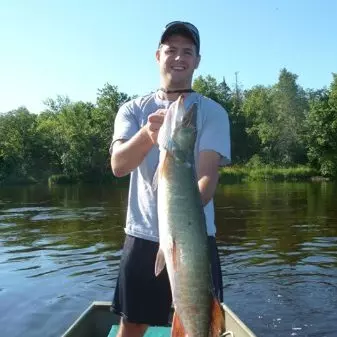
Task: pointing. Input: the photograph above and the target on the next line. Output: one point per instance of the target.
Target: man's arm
(127, 155)
(208, 174)
(214, 149)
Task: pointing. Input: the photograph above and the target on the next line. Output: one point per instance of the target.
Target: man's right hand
(127, 155)
(154, 122)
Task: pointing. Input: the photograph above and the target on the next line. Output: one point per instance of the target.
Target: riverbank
(236, 174)
(231, 174)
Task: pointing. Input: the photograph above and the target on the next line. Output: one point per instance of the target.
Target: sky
(73, 48)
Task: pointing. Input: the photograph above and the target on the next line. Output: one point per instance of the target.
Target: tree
(209, 87)
(232, 102)
(291, 107)
(109, 100)
(55, 105)
(17, 144)
(261, 127)
(321, 127)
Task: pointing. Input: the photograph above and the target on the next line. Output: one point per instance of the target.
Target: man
(141, 298)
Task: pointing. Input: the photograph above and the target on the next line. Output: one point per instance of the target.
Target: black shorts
(140, 296)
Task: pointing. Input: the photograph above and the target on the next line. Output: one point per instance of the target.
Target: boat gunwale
(229, 315)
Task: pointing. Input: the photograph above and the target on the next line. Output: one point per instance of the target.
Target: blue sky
(72, 47)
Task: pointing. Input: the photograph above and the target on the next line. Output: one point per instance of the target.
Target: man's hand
(127, 155)
(154, 122)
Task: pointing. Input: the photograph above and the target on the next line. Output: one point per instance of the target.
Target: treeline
(66, 142)
(282, 125)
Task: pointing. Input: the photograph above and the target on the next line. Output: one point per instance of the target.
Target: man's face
(177, 58)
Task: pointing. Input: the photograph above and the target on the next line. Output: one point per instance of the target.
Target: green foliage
(321, 127)
(291, 107)
(219, 92)
(231, 100)
(59, 179)
(275, 119)
(17, 144)
(244, 174)
(260, 119)
(274, 127)
(69, 141)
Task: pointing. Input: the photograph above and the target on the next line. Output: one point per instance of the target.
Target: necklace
(176, 91)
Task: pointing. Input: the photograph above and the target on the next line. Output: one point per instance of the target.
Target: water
(60, 248)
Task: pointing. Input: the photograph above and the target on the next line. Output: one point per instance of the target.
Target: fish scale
(191, 297)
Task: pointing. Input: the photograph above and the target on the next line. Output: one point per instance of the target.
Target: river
(60, 248)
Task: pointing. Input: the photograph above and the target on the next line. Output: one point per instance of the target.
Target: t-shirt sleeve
(126, 124)
(215, 132)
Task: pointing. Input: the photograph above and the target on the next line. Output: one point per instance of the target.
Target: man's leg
(140, 298)
(127, 329)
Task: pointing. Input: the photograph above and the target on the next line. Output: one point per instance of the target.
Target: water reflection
(279, 259)
(60, 249)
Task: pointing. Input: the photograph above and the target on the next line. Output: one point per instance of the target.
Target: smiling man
(140, 298)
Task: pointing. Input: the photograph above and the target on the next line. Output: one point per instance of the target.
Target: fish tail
(177, 327)
(218, 325)
(217, 322)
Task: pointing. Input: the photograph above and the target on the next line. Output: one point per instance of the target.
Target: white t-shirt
(213, 134)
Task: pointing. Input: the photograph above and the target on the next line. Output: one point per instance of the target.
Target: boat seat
(152, 331)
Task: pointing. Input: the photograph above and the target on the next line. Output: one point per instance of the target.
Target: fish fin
(218, 325)
(160, 262)
(177, 327)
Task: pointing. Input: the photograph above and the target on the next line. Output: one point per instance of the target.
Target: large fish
(182, 228)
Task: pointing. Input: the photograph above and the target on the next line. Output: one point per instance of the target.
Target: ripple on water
(70, 214)
(4, 226)
(319, 260)
(11, 216)
(29, 209)
(63, 215)
(278, 262)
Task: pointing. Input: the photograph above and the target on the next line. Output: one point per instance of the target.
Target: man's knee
(128, 329)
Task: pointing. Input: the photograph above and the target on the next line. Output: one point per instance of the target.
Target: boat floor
(152, 331)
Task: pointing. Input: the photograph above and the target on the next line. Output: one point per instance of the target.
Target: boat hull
(97, 321)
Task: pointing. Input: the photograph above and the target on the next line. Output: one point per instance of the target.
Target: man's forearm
(207, 186)
(208, 175)
(129, 155)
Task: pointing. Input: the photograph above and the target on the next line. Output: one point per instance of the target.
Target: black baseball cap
(181, 27)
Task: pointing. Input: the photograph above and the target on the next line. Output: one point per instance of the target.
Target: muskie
(182, 228)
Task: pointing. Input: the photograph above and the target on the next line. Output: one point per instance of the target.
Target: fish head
(179, 130)
(185, 131)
